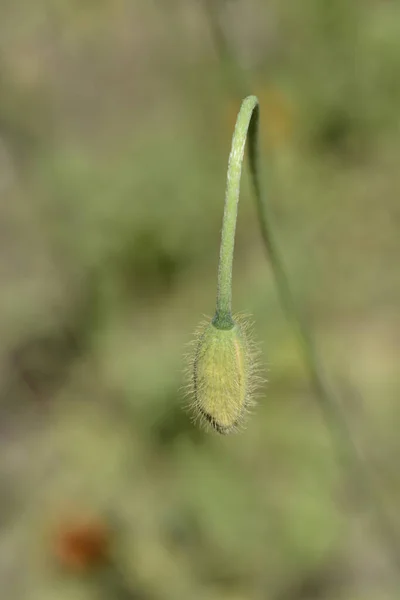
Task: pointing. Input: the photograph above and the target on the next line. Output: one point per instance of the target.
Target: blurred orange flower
(277, 118)
(83, 544)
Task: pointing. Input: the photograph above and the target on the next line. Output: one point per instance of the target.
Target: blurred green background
(115, 127)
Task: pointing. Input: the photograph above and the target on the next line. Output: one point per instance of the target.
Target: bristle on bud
(223, 375)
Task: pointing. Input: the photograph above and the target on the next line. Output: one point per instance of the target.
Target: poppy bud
(223, 375)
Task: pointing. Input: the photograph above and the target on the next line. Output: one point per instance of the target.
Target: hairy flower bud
(223, 375)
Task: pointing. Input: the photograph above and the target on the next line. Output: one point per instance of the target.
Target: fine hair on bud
(223, 374)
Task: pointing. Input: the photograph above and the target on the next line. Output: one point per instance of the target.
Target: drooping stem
(335, 419)
(248, 114)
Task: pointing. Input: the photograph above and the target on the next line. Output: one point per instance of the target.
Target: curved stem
(333, 415)
(246, 121)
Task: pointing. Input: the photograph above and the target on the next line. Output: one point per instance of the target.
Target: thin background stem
(235, 77)
(344, 446)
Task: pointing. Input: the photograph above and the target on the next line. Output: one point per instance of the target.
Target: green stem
(333, 415)
(247, 115)
(336, 421)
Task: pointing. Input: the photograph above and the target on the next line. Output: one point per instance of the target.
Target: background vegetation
(115, 127)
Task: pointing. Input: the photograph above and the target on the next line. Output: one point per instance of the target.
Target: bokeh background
(115, 125)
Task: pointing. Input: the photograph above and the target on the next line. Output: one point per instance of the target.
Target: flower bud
(223, 375)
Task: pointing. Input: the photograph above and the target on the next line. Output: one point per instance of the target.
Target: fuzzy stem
(248, 114)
